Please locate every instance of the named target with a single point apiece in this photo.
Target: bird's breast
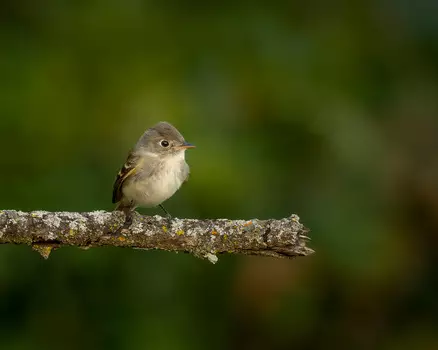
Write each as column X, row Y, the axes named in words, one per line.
column 163, row 182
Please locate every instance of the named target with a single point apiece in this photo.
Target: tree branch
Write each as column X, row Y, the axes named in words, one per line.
column 45, row 231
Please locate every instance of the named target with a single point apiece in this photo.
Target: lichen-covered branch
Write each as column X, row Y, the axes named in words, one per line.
column 45, row 231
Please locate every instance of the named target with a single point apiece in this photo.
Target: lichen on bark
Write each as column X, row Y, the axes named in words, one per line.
column 46, row 231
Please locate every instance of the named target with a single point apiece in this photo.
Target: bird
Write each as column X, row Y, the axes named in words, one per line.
column 154, row 170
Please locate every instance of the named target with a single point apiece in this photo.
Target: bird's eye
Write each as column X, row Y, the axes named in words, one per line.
column 164, row 143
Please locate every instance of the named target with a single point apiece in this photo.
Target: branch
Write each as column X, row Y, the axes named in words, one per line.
column 45, row 231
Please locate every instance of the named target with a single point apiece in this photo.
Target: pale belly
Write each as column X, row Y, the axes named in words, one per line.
column 154, row 190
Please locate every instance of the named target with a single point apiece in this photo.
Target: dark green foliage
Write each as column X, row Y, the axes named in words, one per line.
column 326, row 111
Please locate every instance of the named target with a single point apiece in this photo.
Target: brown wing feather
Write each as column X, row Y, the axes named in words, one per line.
column 128, row 169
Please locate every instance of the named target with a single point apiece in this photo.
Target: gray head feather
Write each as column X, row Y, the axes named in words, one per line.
column 163, row 138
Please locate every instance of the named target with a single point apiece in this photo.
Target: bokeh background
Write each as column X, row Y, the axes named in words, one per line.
column 326, row 110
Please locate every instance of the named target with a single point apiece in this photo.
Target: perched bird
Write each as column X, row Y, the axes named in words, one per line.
column 154, row 171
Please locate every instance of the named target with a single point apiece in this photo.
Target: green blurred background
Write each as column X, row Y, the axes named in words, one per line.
column 326, row 110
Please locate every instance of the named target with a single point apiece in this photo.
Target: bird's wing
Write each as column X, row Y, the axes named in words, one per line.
column 129, row 169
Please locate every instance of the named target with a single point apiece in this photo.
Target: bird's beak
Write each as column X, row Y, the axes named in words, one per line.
column 186, row 145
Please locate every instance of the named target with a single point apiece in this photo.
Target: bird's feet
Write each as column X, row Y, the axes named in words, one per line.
column 168, row 216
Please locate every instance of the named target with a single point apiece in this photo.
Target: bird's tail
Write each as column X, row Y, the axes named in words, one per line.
column 127, row 208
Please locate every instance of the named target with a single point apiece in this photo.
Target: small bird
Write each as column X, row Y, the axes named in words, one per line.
column 154, row 170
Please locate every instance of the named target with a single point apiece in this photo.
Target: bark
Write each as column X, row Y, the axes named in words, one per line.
column 45, row 231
